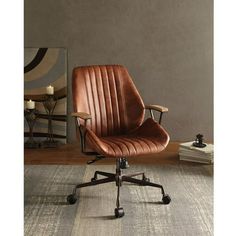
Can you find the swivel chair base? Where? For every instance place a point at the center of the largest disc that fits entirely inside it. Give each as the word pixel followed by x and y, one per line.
pixel 118 178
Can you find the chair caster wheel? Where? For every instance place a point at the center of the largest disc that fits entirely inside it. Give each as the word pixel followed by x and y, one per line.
pixel 166 199
pixel 119 212
pixel 93 179
pixel 71 199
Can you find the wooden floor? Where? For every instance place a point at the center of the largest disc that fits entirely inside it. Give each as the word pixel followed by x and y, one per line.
pixel 70 154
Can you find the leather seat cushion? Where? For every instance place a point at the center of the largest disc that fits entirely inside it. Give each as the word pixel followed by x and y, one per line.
pixel 149 138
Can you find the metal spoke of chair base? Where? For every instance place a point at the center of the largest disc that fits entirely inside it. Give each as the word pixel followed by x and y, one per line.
pixel 135 174
pixel 103 174
pixel 142 182
pixel 118 196
pixel 119 211
pixel 95 182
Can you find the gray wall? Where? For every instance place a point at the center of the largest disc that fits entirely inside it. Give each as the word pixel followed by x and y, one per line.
pixel 165 44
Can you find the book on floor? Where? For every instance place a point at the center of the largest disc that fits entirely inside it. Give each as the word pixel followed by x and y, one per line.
pixel 188 152
pixel 193 159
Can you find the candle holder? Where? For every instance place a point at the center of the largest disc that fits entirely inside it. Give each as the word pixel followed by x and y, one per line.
pixel 199 141
pixel 31 116
pixel 49 104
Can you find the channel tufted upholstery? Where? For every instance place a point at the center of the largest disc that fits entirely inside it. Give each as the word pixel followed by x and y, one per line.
pixel 117 127
pixel 149 138
pixel 109 95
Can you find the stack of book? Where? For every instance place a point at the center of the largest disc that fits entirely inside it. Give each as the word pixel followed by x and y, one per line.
pixel 188 152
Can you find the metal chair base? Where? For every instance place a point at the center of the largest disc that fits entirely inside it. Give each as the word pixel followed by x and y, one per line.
pixel 118 178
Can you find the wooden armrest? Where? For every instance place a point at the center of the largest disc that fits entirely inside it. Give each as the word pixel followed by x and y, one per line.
pixel 156 108
pixel 82 115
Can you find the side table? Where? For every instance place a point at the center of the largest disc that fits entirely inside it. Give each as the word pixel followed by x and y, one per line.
pixel 49 104
pixel 31 117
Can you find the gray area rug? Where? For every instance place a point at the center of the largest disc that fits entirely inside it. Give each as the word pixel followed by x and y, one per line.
pixel 189 213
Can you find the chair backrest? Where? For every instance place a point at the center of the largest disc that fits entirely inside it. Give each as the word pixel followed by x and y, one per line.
pixel 109 95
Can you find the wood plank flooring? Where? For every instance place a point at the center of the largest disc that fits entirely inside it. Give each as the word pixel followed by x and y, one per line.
pixel 70 154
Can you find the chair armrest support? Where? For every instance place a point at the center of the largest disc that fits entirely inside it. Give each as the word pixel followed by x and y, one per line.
pixel 84 116
pixel 158 108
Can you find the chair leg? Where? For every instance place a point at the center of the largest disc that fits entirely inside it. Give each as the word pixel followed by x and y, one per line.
pixel 103 174
pixel 136 174
pixel 144 182
pixel 119 211
pixel 118 196
pixel 95 182
pixel 71 199
pixel 165 197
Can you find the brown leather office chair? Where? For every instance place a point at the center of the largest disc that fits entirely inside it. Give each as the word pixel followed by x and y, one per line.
pixel 109 114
